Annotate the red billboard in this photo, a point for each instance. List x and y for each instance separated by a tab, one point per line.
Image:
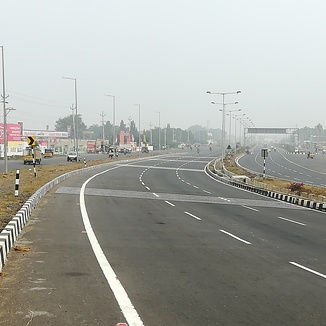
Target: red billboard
13	132
122	137
91	146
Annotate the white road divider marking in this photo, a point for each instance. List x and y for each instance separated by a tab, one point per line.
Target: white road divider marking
120	294
253	209
307	269
285	219
235	237
194	216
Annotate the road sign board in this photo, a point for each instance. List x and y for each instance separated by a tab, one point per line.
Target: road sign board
31	140
264	152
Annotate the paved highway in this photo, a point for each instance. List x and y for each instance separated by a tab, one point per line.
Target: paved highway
292	167
158	242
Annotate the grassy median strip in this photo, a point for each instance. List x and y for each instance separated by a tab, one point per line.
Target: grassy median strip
28	184
275	184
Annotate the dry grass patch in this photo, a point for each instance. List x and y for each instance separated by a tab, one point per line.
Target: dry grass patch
28	184
273	182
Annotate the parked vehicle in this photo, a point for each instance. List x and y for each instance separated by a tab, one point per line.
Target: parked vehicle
32	155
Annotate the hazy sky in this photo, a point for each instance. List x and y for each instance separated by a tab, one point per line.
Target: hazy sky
165	55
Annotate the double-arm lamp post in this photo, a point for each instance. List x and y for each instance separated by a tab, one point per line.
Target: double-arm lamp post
235	117
223	117
230	114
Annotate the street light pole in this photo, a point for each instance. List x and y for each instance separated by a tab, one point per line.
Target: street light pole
235	128
230	113
241	123
223	116
113	97
139	126
76	113
5	153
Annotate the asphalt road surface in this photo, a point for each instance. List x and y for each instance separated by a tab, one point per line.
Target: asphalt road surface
159	242
292	167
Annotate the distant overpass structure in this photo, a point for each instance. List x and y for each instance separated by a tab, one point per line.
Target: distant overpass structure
271	131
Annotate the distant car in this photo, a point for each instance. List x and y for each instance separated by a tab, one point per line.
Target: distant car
48	153
124	150
72	156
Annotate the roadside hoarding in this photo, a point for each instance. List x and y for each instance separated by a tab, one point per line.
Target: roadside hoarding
13	132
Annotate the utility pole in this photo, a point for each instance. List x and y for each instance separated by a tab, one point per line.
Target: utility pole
102	115
5	154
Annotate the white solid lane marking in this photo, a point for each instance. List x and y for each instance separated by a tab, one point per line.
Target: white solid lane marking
285	219
194	216
235	237
169	203
307	269
253	209
120	294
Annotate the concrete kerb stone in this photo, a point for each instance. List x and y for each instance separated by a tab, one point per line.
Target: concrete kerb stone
10	232
279	196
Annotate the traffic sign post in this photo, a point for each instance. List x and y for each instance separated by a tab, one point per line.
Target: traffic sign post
264	154
32	142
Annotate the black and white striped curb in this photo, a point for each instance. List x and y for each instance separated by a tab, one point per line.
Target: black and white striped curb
10	232
308	203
